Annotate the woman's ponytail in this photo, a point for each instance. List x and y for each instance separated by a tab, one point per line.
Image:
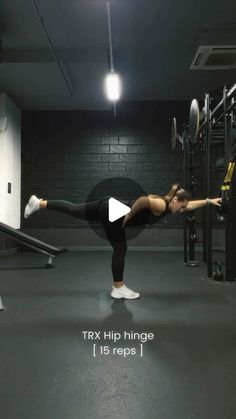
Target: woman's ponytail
172	192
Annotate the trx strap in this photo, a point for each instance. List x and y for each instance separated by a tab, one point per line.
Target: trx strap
226	186
225	189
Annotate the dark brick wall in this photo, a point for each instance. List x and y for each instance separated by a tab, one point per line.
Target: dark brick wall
66	153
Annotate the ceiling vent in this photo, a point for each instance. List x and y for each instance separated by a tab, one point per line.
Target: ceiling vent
214	57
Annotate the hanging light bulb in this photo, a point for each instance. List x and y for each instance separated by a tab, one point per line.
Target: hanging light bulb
112	80
113	86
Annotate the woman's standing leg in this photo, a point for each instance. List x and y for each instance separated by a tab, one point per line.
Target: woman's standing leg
116	236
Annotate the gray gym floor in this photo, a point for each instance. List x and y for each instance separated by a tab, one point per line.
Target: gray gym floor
48	370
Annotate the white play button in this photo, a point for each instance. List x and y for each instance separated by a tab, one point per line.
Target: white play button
116	209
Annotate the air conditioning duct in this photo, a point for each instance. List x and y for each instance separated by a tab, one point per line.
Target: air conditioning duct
214	57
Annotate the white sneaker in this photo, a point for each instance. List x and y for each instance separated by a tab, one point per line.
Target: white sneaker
124	292
32	206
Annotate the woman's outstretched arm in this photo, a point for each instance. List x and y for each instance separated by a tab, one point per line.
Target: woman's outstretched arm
193	205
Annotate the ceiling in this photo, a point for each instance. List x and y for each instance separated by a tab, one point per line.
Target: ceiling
154	42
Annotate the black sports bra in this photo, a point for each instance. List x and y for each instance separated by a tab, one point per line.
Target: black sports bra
145	216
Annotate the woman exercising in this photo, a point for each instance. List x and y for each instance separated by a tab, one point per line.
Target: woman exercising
144	210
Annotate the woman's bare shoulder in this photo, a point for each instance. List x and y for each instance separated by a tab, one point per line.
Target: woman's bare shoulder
157	205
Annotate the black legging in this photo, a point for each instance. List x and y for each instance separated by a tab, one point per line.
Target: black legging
98	211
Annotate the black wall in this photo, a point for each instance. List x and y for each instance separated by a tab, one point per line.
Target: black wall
66	153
